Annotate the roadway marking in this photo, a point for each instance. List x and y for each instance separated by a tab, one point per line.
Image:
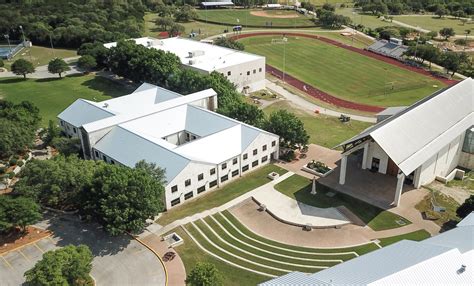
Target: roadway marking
6	262
23	255
38	247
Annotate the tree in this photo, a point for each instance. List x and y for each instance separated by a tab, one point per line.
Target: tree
69	265
97	51
22	67
466	208
432	34
122	199
58	66
52	132
246	113
229	43
18	212
288	127
164	23
175	30
451	61
87	63
2	64
152	169
67	146
446	33
204	274
441	11
185	14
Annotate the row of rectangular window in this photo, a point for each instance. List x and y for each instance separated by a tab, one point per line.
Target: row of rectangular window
189	195
229	73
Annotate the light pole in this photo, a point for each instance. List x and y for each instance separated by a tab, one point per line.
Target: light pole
9	45
24	42
51	42
465	44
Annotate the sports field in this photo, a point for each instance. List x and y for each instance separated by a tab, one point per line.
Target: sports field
264	18
343	73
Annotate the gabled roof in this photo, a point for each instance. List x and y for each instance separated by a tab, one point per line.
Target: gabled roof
467	221
417	133
82	111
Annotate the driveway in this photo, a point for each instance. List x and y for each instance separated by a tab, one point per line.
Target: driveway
117	260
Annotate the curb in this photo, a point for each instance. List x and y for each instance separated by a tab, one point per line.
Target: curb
156	254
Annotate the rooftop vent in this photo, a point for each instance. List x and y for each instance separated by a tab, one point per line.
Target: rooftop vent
105	105
462	269
192	62
193	54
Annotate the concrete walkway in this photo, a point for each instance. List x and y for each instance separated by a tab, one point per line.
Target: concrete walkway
296	213
311	107
160	230
42	71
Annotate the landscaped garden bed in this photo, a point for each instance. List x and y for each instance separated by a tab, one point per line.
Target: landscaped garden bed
317	168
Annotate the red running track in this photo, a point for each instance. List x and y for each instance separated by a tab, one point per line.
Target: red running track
325	97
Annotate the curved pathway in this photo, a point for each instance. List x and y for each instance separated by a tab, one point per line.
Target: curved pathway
321	95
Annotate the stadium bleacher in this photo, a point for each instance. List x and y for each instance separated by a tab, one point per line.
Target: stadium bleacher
392	49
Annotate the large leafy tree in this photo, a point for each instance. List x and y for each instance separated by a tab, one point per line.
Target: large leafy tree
451	61
17	212
447	32
289	127
95	50
229	43
204	274
18	123
87	63
58	66
121	198
185	14
246	113
69	265
58	182
22	67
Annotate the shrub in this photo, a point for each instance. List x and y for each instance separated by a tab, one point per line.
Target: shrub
11	175
466	208
2	64
288	156
13	161
2	170
20	163
204	274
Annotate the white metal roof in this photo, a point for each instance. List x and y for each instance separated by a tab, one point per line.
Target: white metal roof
467	221
82	111
415	134
208	57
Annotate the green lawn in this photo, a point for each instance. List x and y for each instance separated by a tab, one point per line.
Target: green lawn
190	253
344	73
245	17
416	236
52	96
221	196
467	183
298	188
41	55
434	23
323	130
366	20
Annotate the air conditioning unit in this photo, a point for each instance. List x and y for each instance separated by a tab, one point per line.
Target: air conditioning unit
198	53
192	62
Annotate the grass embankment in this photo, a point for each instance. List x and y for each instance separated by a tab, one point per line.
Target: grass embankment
416	236
447	219
53	95
343	73
222	195
299	188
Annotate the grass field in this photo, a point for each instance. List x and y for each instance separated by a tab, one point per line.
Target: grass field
222	195
52	96
434	23
298	188
41	55
366	20
416	236
343	73
323	130
246	17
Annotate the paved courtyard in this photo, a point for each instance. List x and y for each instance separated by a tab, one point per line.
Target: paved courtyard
117	260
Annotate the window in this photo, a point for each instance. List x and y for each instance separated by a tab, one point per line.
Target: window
254	71
234	162
229	73
174	189
255	163
74	129
187	182
96	154
201	189
62	123
188	195
112	162
245	168
224	178
468	144
235	173
264	148
224	166
213	171
260	70
175	201
273	143
248	73
255	151
246	156
213	184
264	159
200	177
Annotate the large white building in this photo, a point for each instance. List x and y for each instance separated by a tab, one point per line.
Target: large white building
445	259
198	148
426	140
245	70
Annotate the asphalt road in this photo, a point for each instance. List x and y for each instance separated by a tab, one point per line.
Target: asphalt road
117	260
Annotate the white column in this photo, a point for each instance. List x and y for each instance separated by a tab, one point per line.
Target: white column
364	158
342	174
398	191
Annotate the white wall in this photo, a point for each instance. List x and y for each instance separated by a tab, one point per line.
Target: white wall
375	151
466	160
69	129
443	162
239	76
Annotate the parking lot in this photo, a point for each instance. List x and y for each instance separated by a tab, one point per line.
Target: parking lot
117	260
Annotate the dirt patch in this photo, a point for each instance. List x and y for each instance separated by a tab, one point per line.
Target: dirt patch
265	14
16	239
